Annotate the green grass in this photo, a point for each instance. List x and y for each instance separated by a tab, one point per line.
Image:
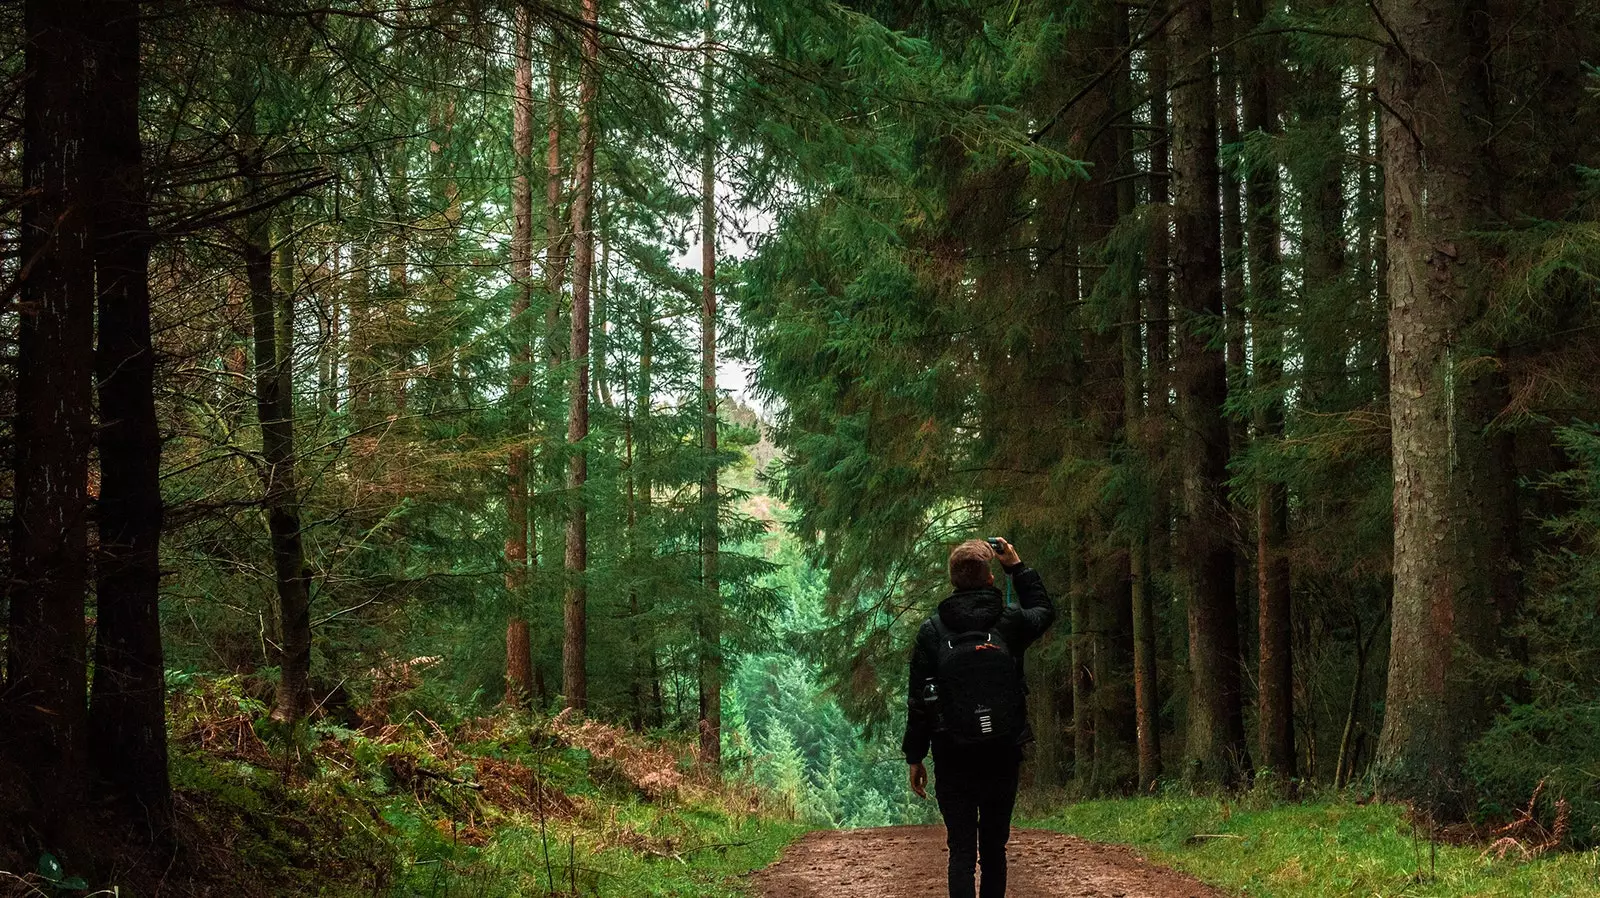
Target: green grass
418	815
1318	850
677	852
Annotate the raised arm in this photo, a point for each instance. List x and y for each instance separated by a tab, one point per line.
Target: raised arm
1038	611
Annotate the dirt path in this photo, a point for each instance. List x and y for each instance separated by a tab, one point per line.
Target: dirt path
909	862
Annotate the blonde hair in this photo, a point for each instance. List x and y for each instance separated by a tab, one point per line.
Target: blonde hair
969	564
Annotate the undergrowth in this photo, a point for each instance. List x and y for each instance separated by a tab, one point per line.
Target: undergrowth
1323	849
509	805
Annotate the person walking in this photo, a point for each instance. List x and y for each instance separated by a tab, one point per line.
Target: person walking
967	699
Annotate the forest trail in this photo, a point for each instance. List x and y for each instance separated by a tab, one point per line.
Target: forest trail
909	862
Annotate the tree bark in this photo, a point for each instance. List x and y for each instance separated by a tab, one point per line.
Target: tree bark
1158	340
557	239
1275	690
574	649
1136	437
275	412
1436	194
644	437
46	725
519	657
1215	750
128	699
710	536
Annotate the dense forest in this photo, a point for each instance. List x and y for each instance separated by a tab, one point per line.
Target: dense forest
644	360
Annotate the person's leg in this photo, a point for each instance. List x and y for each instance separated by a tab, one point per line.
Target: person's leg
959	805
995	805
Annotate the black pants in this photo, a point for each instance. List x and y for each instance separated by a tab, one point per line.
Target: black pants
976	792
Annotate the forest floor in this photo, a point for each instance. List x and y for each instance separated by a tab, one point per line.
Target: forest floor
1328	847
418	806
909	862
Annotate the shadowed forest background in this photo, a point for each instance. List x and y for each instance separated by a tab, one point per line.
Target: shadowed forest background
382	377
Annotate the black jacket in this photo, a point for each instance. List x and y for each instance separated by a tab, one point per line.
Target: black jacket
974	609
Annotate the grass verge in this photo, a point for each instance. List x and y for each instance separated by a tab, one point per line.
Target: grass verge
1319	850
512	805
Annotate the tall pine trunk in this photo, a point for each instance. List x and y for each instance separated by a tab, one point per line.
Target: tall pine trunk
1436	195
128	697
710	536
1215	748
46	720
575	644
1275	690
519	657
557	238
274	356
1135	426
557	245
1157	311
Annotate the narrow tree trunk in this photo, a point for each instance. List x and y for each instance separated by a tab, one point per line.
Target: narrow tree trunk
710	536
1079	653
601	394
397	312
328	355
602	388
557	242
1081	656
557	239
46	715
1233	293
644	437
1158	333
1215	749
1136	425
275	412
519	657
128	699
574	649
1344	767
360	367
1275	691
1436	195
630	470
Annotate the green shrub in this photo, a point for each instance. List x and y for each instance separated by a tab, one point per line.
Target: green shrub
1533	744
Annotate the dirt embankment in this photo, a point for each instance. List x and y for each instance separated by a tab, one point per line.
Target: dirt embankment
909	862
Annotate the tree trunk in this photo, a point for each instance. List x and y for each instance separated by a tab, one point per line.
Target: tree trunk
275	411
1081	658
519	657
128	700
1436	195
574	649
1275	692
644	437
557	243
1158	334
1233	291
557	239
1135	426
1110	628
1215	750
711	613
46	715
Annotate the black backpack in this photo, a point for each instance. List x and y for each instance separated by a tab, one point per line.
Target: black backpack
981	696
